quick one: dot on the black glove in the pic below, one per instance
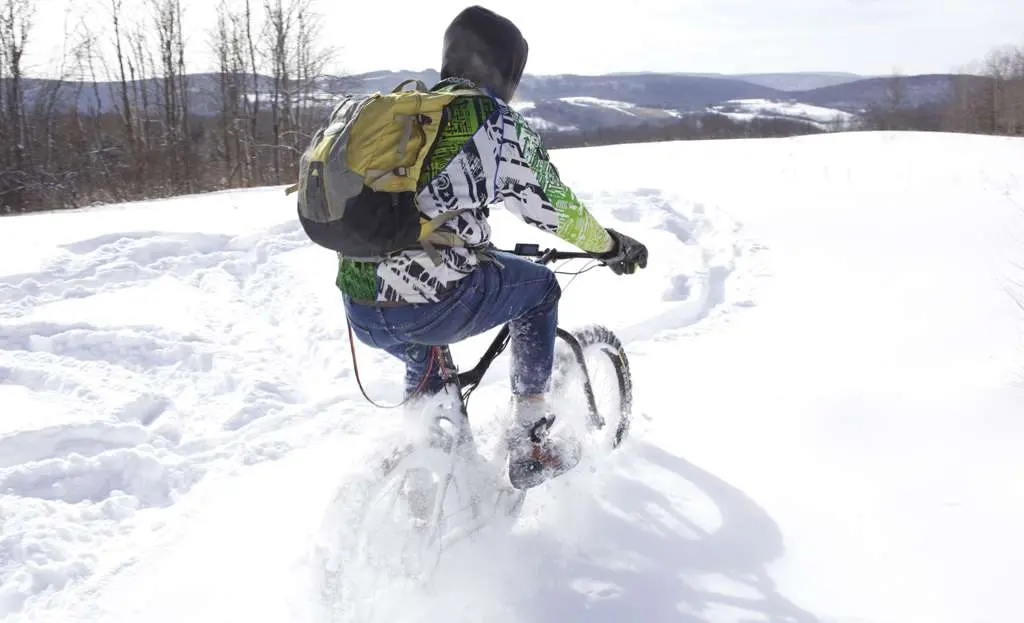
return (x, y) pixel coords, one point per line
(626, 255)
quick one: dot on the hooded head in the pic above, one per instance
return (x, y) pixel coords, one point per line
(486, 49)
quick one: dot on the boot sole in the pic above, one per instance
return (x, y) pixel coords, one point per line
(529, 474)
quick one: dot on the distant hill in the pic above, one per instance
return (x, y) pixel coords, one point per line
(675, 92)
(858, 95)
(574, 101)
(796, 81)
(690, 91)
(799, 81)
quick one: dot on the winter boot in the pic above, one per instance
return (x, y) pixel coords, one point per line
(535, 456)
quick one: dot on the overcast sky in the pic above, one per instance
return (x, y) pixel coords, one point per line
(599, 36)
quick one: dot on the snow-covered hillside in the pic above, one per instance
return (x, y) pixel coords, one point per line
(747, 109)
(626, 108)
(586, 112)
(827, 365)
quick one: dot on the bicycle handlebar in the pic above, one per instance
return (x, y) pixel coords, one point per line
(547, 255)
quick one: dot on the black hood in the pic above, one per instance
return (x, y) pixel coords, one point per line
(486, 49)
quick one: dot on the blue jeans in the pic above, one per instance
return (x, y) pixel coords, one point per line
(520, 292)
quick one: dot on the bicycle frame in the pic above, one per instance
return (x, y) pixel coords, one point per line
(468, 381)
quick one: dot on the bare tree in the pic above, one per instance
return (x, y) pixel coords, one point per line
(280, 21)
(228, 44)
(49, 96)
(250, 39)
(895, 91)
(140, 65)
(15, 25)
(220, 45)
(185, 134)
(5, 132)
(956, 116)
(997, 70)
(889, 115)
(126, 108)
(98, 141)
(989, 98)
(311, 60)
(1006, 68)
(297, 61)
(167, 19)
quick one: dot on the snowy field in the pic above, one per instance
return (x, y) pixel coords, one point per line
(827, 361)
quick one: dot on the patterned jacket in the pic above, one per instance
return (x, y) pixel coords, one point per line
(485, 152)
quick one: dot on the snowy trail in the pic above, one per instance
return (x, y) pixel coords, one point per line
(826, 361)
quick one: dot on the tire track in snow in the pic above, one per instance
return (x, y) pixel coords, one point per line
(116, 261)
(703, 256)
(138, 349)
(86, 440)
(108, 263)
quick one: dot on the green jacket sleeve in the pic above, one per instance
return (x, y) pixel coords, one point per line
(530, 188)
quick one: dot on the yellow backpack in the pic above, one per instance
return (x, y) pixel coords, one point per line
(358, 177)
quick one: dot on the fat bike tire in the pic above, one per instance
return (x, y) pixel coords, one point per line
(601, 348)
(463, 499)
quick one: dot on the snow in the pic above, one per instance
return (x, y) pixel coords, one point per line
(540, 123)
(626, 108)
(747, 109)
(825, 346)
(623, 107)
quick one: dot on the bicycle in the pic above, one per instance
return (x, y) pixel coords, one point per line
(419, 478)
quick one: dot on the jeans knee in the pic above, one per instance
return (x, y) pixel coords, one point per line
(554, 291)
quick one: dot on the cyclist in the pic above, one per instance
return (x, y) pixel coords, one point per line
(485, 152)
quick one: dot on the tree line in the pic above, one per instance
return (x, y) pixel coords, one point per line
(123, 119)
(985, 98)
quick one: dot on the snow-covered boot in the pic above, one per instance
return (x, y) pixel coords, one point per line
(535, 456)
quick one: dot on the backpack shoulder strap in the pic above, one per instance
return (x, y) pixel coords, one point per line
(420, 86)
